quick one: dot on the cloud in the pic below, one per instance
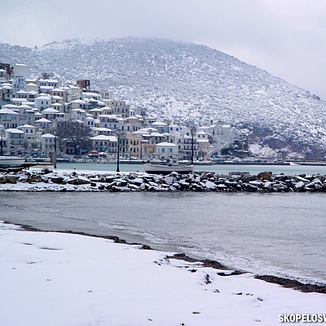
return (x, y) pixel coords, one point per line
(284, 37)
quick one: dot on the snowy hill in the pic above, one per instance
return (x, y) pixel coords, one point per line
(187, 82)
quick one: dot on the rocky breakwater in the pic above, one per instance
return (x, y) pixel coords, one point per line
(52, 180)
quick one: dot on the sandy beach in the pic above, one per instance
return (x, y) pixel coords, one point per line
(51, 278)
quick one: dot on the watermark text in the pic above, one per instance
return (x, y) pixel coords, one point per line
(302, 318)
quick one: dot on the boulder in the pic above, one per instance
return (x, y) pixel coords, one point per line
(265, 176)
(10, 178)
(79, 180)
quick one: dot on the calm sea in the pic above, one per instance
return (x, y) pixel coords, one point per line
(280, 233)
(218, 168)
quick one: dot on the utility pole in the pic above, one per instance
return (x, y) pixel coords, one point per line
(55, 150)
(118, 154)
(192, 144)
(1, 146)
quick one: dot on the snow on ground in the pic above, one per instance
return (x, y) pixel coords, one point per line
(50, 278)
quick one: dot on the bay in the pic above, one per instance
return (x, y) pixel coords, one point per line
(279, 234)
(217, 168)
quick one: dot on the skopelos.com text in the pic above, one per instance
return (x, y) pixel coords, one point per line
(302, 318)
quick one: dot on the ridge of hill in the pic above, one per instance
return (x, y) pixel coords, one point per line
(189, 83)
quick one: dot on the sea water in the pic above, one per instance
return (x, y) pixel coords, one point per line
(217, 168)
(282, 234)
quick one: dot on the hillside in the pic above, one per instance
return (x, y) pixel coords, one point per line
(187, 82)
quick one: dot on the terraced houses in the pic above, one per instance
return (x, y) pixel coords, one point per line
(33, 112)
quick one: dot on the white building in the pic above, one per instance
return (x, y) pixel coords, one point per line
(22, 70)
(166, 150)
(104, 143)
(14, 141)
(9, 118)
(31, 139)
(48, 144)
(42, 102)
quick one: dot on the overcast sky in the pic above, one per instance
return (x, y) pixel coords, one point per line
(287, 38)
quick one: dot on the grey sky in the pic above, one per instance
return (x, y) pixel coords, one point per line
(287, 38)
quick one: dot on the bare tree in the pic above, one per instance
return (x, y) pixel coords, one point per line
(47, 75)
(74, 133)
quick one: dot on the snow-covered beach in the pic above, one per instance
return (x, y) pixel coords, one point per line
(50, 278)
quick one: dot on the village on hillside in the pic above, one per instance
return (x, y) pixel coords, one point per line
(46, 118)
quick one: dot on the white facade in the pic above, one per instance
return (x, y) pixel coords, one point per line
(21, 70)
(14, 141)
(48, 144)
(31, 139)
(104, 143)
(166, 150)
(42, 102)
(9, 118)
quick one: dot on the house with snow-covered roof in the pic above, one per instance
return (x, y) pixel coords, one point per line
(161, 126)
(3, 76)
(43, 125)
(14, 141)
(78, 114)
(18, 101)
(5, 93)
(57, 99)
(48, 144)
(21, 94)
(31, 87)
(131, 124)
(31, 138)
(165, 150)
(9, 118)
(109, 121)
(32, 95)
(96, 112)
(42, 102)
(103, 131)
(90, 121)
(49, 83)
(104, 143)
(59, 107)
(79, 104)
(119, 108)
(53, 115)
(20, 69)
(60, 92)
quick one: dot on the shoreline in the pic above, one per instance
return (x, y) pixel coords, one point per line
(282, 281)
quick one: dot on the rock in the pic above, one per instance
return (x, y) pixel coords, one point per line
(210, 185)
(34, 178)
(257, 183)
(168, 180)
(299, 178)
(57, 179)
(176, 185)
(79, 180)
(281, 177)
(265, 176)
(136, 181)
(221, 187)
(133, 187)
(10, 178)
(299, 186)
(121, 182)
